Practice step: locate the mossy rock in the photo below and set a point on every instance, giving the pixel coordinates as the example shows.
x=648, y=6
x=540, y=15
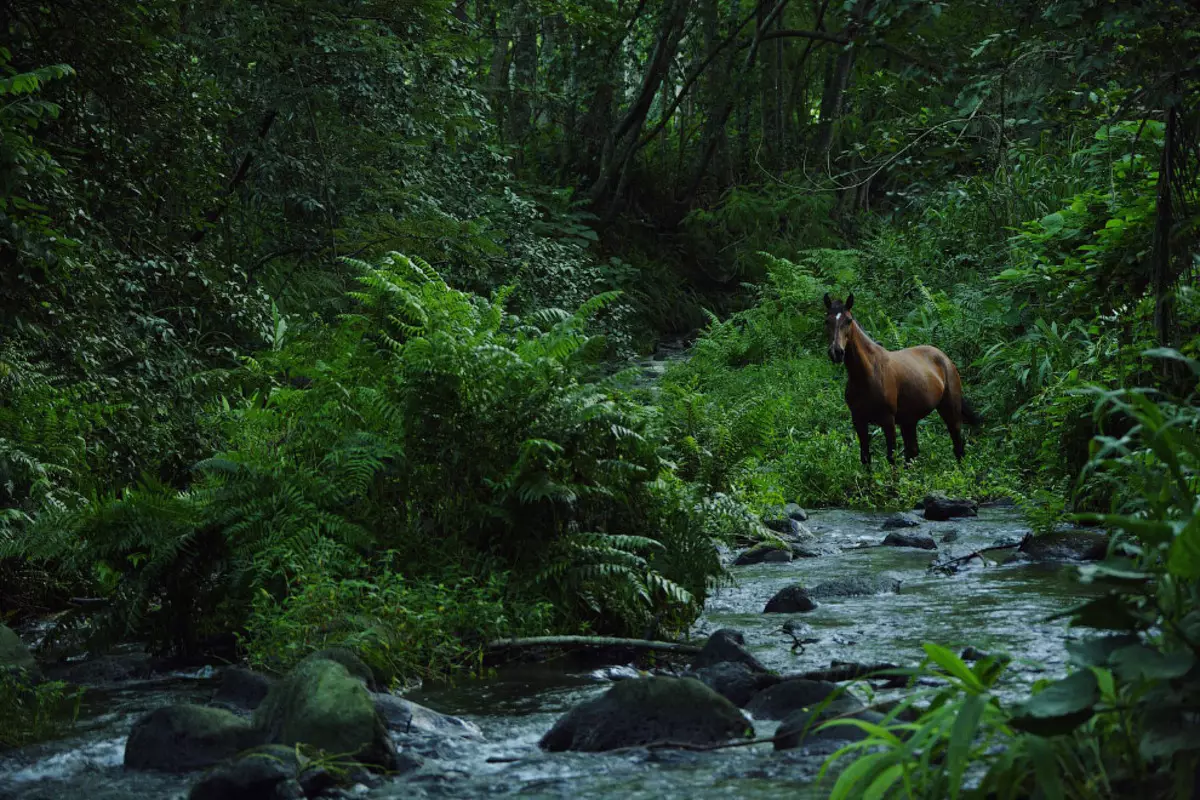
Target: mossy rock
x=801, y=725
x=785, y=697
x=323, y=705
x=766, y=552
x=14, y=655
x=187, y=737
x=646, y=710
x=1066, y=546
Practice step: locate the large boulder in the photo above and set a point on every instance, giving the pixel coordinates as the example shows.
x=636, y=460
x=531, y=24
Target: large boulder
x=938, y=507
x=1066, y=546
x=921, y=541
x=801, y=725
x=242, y=688
x=766, y=552
x=14, y=655
x=406, y=716
x=776, y=702
x=790, y=600
x=855, y=587
x=323, y=705
x=639, y=712
x=901, y=520
x=814, y=549
x=182, y=738
x=736, y=682
x=726, y=645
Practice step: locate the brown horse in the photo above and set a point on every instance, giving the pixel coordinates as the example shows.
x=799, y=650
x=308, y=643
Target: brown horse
x=886, y=388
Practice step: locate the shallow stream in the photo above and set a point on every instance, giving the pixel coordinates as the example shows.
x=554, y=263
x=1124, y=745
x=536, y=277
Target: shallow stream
x=994, y=607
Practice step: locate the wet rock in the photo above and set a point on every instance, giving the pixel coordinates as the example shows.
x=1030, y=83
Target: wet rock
x=734, y=681
x=725, y=645
x=182, y=738
x=855, y=587
x=271, y=772
x=409, y=717
x=1007, y=541
x=950, y=536
x=940, y=508
x=790, y=600
x=800, y=726
x=780, y=700
x=794, y=511
x=322, y=704
x=353, y=664
x=242, y=688
x=972, y=654
x=639, y=712
x=901, y=519
x=101, y=670
x=767, y=552
x=922, y=541
x=814, y=550
x=1066, y=546
x=14, y=655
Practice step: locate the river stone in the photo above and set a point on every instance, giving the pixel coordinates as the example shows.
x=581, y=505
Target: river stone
x=724, y=645
x=182, y=738
x=353, y=664
x=855, y=587
x=765, y=552
x=105, y=669
x=242, y=688
x=734, y=681
x=814, y=550
x=950, y=536
x=649, y=710
x=1066, y=546
x=776, y=702
x=799, y=726
x=901, y=520
x=797, y=513
x=922, y=541
x=321, y=704
x=14, y=655
x=271, y=772
x=790, y=600
x=938, y=507
x=406, y=716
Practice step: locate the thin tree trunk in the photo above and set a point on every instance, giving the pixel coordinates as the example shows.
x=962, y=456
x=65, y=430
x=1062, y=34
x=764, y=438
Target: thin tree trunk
x=1164, y=220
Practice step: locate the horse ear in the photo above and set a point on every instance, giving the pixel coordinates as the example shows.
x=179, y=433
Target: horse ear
x=828, y=302
x=850, y=301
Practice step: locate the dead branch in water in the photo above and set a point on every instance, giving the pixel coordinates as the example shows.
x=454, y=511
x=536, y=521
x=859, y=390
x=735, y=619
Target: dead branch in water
x=951, y=566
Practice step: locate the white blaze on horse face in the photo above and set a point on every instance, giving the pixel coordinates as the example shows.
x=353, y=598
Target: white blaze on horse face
x=838, y=318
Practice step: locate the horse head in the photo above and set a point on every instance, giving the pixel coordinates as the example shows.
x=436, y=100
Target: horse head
x=839, y=325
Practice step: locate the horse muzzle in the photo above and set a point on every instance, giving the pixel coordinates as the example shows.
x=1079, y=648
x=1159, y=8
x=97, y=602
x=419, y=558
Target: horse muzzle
x=837, y=355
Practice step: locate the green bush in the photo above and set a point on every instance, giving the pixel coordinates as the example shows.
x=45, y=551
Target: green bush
x=34, y=712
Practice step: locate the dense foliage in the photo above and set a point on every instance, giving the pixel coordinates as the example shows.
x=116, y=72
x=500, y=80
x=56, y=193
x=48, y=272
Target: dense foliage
x=313, y=316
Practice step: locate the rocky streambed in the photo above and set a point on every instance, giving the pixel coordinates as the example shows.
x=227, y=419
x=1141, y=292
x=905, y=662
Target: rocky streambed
x=868, y=604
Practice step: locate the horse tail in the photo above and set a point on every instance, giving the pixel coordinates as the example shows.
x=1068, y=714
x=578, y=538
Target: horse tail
x=969, y=415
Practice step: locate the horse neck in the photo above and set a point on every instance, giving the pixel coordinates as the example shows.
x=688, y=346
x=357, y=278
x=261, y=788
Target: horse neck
x=862, y=355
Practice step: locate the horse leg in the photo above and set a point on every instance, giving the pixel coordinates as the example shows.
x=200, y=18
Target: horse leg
x=951, y=416
x=908, y=430
x=864, y=441
x=889, y=434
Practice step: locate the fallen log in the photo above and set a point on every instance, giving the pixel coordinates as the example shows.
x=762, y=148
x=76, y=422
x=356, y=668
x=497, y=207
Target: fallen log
x=951, y=566
x=590, y=641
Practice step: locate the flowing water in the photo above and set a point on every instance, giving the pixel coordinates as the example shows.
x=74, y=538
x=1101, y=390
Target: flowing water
x=997, y=607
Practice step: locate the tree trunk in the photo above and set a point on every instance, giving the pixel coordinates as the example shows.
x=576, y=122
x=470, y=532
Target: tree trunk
x=1164, y=221
x=525, y=58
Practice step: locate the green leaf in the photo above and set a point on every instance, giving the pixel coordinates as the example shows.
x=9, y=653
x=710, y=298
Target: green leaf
x=1167, y=733
x=1184, y=558
x=961, y=737
x=1110, y=612
x=883, y=782
x=1045, y=766
x=1095, y=652
x=1053, y=223
x=862, y=768
x=954, y=666
x=1060, y=707
x=1140, y=662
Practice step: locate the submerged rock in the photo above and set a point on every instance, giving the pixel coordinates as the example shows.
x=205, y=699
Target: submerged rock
x=726, y=645
x=406, y=716
x=855, y=587
x=734, y=681
x=182, y=738
x=921, y=541
x=901, y=519
x=814, y=550
x=649, y=710
x=14, y=655
x=940, y=508
x=242, y=688
x=767, y=552
x=780, y=700
x=950, y=536
x=794, y=511
x=1066, y=546
x=323, y=705
x=800, y=726
x=790, y=600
